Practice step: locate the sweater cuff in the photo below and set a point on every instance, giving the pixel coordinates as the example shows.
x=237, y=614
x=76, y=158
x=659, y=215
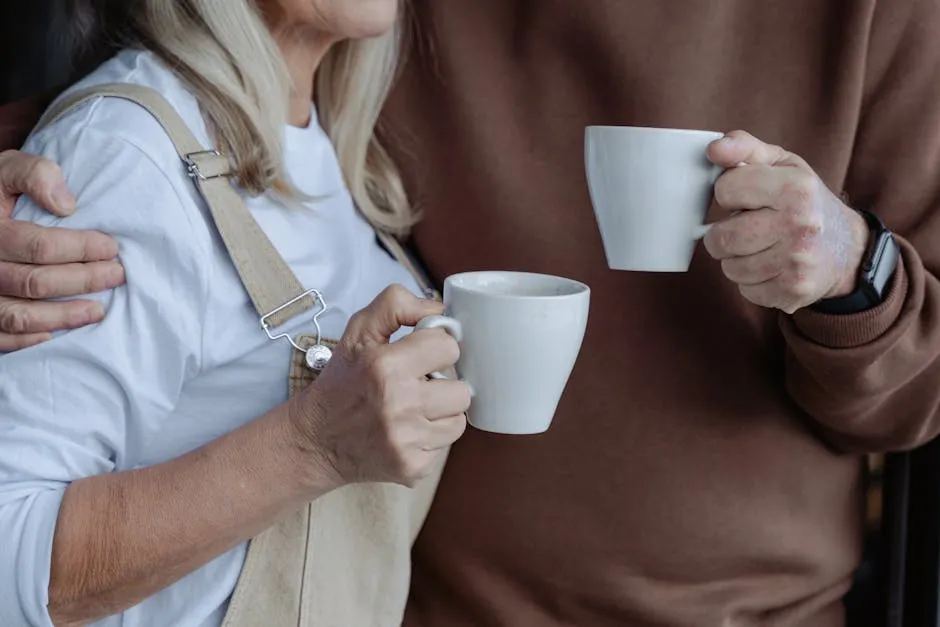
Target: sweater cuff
x=854, y=330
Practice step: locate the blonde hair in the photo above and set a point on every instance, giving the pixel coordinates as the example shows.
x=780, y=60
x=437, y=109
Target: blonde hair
x=224, y=51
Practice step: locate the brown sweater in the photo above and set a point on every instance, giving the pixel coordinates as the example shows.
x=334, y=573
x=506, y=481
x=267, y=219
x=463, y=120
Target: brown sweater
x=702, y=469
x=18, y=118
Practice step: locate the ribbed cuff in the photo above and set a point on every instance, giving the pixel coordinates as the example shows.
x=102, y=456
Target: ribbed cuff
x=854, y=330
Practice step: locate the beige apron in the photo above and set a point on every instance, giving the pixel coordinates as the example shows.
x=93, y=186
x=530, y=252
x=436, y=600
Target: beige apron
x=344, y=559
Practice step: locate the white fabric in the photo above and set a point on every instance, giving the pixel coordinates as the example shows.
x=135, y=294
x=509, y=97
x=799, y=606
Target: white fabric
x=180, y=358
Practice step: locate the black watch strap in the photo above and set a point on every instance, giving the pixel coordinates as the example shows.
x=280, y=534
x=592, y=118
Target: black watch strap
x=875, y=274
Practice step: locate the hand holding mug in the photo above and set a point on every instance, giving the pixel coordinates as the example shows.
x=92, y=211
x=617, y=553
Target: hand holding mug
x=792, y=241
x=372, y=415
x=520, y=335
x=785, y=238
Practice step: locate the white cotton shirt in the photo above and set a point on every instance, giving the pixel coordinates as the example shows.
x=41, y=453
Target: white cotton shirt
x=180, y=358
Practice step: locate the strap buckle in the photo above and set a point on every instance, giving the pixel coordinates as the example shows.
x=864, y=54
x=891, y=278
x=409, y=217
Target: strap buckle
x=318, y=355
x=192, y=167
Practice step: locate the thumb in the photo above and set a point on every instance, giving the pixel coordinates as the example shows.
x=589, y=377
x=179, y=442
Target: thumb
x=394, y=308
x=739, y=147
x=38, y=178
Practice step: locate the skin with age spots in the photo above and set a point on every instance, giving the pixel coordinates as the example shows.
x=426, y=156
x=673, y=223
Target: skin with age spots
x=792, y=241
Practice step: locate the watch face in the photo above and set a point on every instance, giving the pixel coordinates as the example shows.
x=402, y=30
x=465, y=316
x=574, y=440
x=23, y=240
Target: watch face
x=881, y=264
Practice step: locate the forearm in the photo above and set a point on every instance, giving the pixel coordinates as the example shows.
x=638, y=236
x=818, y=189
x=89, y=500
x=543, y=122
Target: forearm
x=125, y=536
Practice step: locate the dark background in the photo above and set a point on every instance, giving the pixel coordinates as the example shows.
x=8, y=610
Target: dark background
x=33, y=52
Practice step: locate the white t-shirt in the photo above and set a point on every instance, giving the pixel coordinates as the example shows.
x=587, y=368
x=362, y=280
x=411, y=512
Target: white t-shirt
x=180, y=358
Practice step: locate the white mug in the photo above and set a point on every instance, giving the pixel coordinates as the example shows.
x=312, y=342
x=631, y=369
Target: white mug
x=519, y=336
x=651, y=188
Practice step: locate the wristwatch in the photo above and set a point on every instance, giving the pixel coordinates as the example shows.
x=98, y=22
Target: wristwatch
x=877, y=270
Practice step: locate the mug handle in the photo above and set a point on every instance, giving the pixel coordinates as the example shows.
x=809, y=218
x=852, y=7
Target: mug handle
x=702, y=230
x=451, y=326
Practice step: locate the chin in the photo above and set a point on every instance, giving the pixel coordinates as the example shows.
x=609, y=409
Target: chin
x=365, y=19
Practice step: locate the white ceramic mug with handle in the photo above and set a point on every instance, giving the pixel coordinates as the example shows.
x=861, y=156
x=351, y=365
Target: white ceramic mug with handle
x=520, y=335
x=651, y=188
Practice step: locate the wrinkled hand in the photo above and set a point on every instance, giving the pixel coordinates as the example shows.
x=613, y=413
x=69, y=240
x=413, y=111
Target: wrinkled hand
x=794, y=242
x=372, y=415
x=40, y=263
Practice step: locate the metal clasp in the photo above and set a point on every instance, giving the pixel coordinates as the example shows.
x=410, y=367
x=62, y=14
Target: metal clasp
x=318, y=355
x=192, y=168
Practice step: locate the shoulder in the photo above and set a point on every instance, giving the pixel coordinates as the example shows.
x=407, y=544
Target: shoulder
x=118, y=160
x=130, y=183
x=121, y=119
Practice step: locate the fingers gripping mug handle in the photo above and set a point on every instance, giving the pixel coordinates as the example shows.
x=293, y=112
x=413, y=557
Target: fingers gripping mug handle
x=450, y=325
x=702, y=230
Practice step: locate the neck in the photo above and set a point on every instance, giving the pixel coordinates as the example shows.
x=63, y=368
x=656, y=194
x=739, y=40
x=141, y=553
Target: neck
x=302, y=52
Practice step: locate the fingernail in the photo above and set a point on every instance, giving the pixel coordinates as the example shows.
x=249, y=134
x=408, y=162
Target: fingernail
x=116, y=276
x=94, y=313
x=63, y=199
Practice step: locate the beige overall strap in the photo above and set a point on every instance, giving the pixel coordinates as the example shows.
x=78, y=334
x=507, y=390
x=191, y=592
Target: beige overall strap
x=268, y=280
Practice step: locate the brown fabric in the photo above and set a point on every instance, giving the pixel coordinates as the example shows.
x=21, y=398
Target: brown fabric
x=17, y=120
x=702, y=467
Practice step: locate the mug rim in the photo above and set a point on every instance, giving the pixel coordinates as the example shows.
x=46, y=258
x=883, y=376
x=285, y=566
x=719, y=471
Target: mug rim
x=577, y=287
x=651, y=130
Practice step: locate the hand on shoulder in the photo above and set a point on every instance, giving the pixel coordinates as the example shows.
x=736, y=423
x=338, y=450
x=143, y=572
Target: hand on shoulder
x=39, y=263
